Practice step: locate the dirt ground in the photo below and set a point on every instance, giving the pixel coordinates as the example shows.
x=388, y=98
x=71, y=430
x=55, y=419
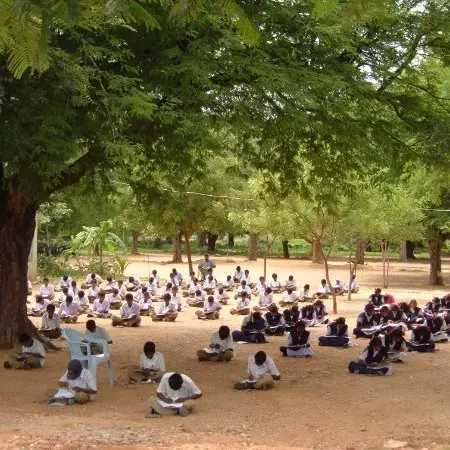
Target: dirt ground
x=316, y=405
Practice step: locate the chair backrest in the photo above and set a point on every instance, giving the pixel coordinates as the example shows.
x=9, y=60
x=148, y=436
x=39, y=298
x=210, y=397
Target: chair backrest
x=74, y=338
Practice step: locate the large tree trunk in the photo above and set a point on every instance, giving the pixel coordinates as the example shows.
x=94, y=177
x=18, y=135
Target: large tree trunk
x=253, y=246
x=436, y=277
x=317, y=257
x=177, y=248
x=187, y=241
x=407, y=251
x=135, y=241
x=230, y=240
x=16, y=235
x=286, y=250
x=212, y=239
x=202, y=239
x=360, y=250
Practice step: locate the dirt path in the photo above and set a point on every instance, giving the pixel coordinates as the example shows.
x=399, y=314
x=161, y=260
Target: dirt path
x=317, y=404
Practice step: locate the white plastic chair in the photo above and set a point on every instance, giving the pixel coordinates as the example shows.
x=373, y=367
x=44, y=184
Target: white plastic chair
x=77, y=341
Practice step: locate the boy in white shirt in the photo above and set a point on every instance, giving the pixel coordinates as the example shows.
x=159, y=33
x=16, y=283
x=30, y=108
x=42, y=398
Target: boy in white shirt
x=306, y=294
x=222, y=296
x=51, y=323
x=176, y=300
x=242, y=306
x=110, y=285
x=275, y=284
x=209, y=285
x=146, y=304
x=290, y=283
x=260, y=286
x=130, y=314
x=77, y=383
x=199, y=299
x=151, y=366
x=211, y=310
x=122, y=289
x=177, y=275
x=338, y=287
x=63, y=294
x=82, y=301
x=151, y=286
x=115, y=300
x=221, y=347
x=47, y=290
x=90, y=278
x=65, y=281
x=92, y=292
x=32, y=355
x=139, y=294
x=289, y=297
x=134, y=283
x=167, y=311
x=40, y=307
x=194, y=287
x=94, y=331
x=262, y=372
x=323, y=291
x=243, y=288
x=69, y=310
x=100, y=308
x=175, y=396
x=173, y=280
x=29, y=288
x=238, y=274
x=156, y=278
x=228, y=283
x=265, y=300
x=247, y=279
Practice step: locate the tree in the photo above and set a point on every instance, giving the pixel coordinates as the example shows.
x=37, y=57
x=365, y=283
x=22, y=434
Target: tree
x=98, y=239
x=50, y=215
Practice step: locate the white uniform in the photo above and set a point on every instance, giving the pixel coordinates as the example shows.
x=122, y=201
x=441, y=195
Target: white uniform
x=187, y=389
x=85, y=381
x=155, y=363
x=127, y=312
x=99, y=333
x=47, y=291
x=38, y=348
x=101, y=307
x=267, y=368
x=50, y=324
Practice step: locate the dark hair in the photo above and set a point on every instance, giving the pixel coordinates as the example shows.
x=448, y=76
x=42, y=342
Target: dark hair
x=108, y=278
x=80, y=294
x=210, y=298
x=291, y=277
x=129, y=296
x=149, y=347
x=166, y=296
x=224, y=332
x=323, y=281
x=65, y=277
x=256, y=315
x=260, y=358
x=70, y=298
x=306, y=286
x=92, y=275
x=375, y=342
x=175, y=381
x=90, y=324
x=24, y=338
x=131, y=279
x=268, y=289
x=340, y=320
x=51, y=307
x=220, y=290
x=101, y=294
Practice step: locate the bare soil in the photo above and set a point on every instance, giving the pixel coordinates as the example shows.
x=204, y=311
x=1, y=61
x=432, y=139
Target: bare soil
x=316, y=405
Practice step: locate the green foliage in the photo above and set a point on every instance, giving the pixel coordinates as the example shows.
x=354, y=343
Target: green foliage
x=120, y=264
x=51, y=266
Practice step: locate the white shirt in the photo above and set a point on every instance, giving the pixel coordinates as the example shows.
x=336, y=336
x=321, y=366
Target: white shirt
x=248, y=280
x=93, y=291
x=29, y=285
x=244, y=289
x=62, y=297
x=274, y=284
x=114, y=298
x=155, y=363
x=238, y=275
x=323, y=289
x=111, y=285
x=211, y=307
x=265, y=300
x=223, y=296
x=227, y=283
x=290, y=284
x=85, y=381
x=225, y=344
x=261, y=287
x=123, y=291
x=99, y=333
x=187, y=389
x=82, y=301
x=290, y=298
x=126, y=312
x=166, y=309
x=193, y=288
x=201, y=297
x=156, y=279
x=241, y=304
x=145, y=305
x=151, y=287
x=136, y=280
x=38, y=307
x=138, y=295
x=69, y=310
x=50, y=324
x=173, y=281
x=354, y=285
x=267, y=368
x=66, y=283
x=209, y=284
x=97, y=277
x=47, y=291
x=176, y=301
x=38, y=348
x=101, y=307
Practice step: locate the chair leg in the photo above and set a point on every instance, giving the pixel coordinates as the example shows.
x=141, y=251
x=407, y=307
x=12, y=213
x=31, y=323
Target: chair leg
x=93, y=366
x=111, y=373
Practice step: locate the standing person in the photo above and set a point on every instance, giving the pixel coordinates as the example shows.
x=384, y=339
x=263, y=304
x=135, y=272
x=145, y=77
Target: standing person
x=242, y=306
x=151, y=366
x=211, y=310
x=31, y=356
x=51, y=323
x=221, y=347
x=47, y=290
x=262, y=372
x=176, y=395
x=299, y=344
x=77, y=385
x=373, y=360
x=69, y=310
x=337, y=334
x=206, y=265
x=252, y=329
x=130, y=314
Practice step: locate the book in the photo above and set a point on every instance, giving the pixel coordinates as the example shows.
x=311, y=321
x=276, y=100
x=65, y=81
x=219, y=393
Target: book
x=170, y=405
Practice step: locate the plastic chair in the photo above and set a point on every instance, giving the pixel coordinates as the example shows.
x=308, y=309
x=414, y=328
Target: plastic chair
x=78, y=341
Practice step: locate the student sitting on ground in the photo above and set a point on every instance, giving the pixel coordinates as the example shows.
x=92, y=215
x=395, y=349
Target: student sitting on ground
x=177, y=275
x=139, y=294
x=289, y=297
x=115, y=300
x=31, y=355
x=65, y=281
x=133, y=283
x=415, y=314
x=433, y=307
x=337, y=334
x=194, y=287
x=260, y=287
x=110, y=285
x=209, y=285
x=252, y=329
x=243, y=288
x=265, y=300
x=365, y=321
x=385, y=315
x=320, y=312
x=354, y=285
x=290, y=283
x=100, y=308
x=275, y=284
x=176, y=299
x=199, y=299
x=275, y=322
x=151, y=286
x=74, y=289
x=242, y=306
x=211, y=310
x=299, y=345
x=338, y=287
x=156, y=278
x=377, y=299
x=291, y=316
x=398, y=316
x=39, y=308
x=69, y=310
x=93, y=291
x=90, y=278
x=63, y=294
x=176, y=395
x=81, y=300
x=146, y=304
x=228, y=283
x=438, y=328
x=47, y=290
x=396, y=345
x=421, y=340
x=173, y=280
x=167, y=311
x=247, y=279
x=222, y=296
x=221, y=347
x=373, y=360
x=262, y=372
x=308, y=316
x=77, y=385
x=130, y=314
x=51, y=323
x=96, y=332
x=323, y=291
x=306, y=294
x=151, y=366
x=238, y=275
